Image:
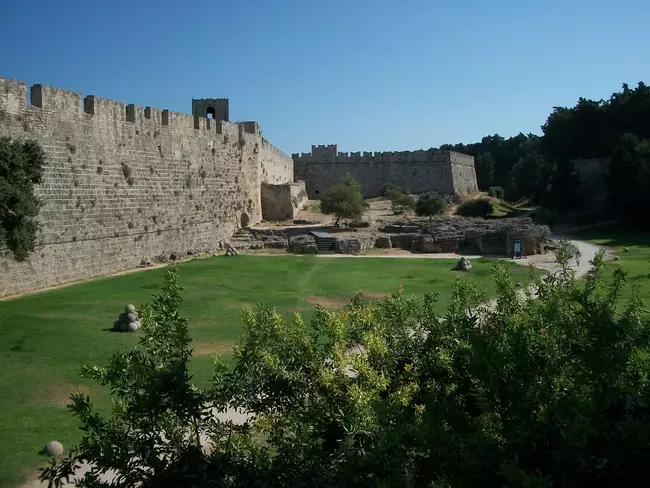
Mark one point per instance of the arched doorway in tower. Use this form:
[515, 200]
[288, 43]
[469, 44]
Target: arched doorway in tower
[244, 220]
[210, 112]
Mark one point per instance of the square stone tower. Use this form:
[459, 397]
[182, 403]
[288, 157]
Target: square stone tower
[216, 108]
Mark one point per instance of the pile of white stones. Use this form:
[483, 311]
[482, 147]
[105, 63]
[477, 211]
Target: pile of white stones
[128, 321]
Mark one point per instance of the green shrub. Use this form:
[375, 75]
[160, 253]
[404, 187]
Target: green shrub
[401, 202]
[343, 200]
[480, 207]
[21, 167]
[389, 189]
[429, 205]
[496, 192]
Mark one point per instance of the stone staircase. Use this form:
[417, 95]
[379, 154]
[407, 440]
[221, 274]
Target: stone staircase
[324, 244]
[243, 239]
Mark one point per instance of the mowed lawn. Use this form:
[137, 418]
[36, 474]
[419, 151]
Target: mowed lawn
[46, 337]
[633, 250]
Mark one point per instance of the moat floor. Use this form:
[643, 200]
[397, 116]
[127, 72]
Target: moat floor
[46, 337]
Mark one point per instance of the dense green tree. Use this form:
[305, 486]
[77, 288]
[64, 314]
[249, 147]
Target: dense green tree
[343, 200]
[629, 178]
[21, 167]
[429, 205]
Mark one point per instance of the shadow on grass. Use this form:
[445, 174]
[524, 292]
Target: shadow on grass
[618, 235]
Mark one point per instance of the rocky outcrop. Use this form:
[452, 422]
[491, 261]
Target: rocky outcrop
[383, 242]
[351, 245]
[303, 244]
[488, 236]
[403, 241]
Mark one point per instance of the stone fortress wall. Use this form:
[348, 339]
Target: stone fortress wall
[125, 184]
[444, 172]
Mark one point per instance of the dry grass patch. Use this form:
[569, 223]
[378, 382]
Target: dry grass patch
[328, 302]
[58, 394]
[210, 348]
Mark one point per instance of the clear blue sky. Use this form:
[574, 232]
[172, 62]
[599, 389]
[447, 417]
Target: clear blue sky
[365, 74]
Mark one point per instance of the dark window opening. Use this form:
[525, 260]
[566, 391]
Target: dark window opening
[244, 220]
[210, 113]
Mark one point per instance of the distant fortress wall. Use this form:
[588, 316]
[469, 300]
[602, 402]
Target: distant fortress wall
[444, 172]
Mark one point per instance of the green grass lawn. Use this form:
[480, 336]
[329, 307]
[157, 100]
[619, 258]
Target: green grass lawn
[635, 261]
[45, 337]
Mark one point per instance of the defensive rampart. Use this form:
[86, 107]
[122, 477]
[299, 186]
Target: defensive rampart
[444, 172]
[125, 184]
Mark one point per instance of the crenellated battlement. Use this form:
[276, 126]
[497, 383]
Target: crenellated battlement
[69, 105]
[446, 172]
[125, 184]
[330, 154]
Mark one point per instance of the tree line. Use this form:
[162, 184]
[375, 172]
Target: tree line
[615, 131]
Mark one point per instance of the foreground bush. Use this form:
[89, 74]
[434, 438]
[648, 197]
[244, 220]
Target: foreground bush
[480, 207]
[552, 391]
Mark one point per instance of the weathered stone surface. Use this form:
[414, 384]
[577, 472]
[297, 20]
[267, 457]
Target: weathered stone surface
[488, 236]
[131, 317]
[53, 448]
[132, 326]
[425, 243]
[283, 201]
[303, 244]
[118, 191]
[351, 245]
[445, 172]
[382, 242]
[400, 228]
[402, 241]
[123, 326]
[129, 308]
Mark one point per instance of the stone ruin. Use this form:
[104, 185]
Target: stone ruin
[439, 235]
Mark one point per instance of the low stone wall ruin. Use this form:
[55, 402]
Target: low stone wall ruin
[489, 237]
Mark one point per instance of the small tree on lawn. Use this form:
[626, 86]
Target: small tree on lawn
[343, 200]
[429, 205]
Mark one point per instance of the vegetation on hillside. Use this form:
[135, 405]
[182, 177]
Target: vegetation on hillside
[477, 207]
[546, 392]
[429, 205]
[616, 131]
[21, 167]
[343, 200]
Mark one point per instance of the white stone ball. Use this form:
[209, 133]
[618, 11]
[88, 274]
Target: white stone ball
[53, 448]
[129, 308]
[131, 317]
[133, 326]
[138, 323]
